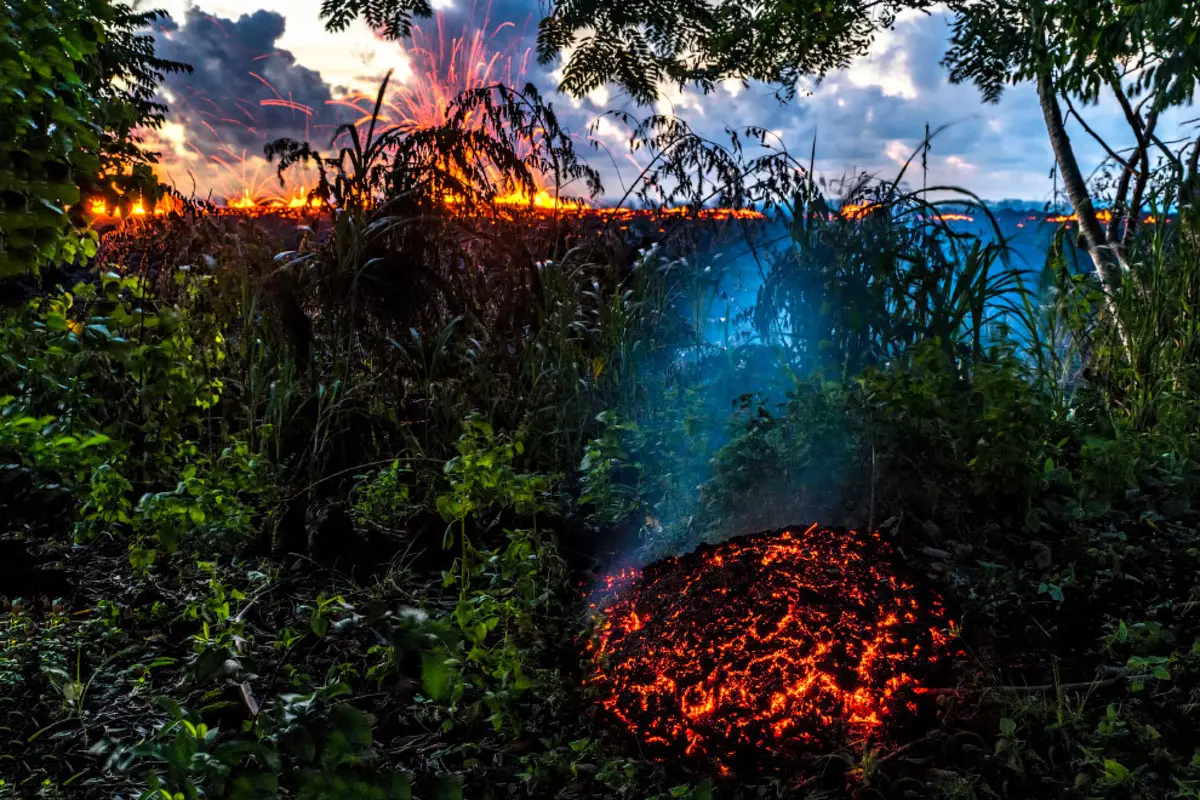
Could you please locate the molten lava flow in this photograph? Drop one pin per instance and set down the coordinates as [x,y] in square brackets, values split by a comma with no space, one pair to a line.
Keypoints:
[443,66]
[622,214]
[763,644]
[98,207]
[857,210]
[244,202]
[300,199]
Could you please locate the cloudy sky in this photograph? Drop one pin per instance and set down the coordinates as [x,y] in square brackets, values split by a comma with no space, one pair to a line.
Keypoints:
[255,57]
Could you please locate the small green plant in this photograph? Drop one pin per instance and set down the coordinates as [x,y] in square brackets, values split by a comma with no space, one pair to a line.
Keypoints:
[215,503]
[1009,745]
[322,610]
[482,477]
[217,646]
[311,745]
[604,458]
[383,498]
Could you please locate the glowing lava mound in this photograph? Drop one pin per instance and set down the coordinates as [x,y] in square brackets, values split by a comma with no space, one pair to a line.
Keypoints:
[764,646]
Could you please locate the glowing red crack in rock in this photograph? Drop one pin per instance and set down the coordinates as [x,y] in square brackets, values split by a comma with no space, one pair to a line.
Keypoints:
[763,644]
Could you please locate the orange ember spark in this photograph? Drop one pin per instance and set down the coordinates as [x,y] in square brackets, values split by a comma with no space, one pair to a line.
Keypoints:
[1103,216]
[444,66]
[764,644]
[856,210]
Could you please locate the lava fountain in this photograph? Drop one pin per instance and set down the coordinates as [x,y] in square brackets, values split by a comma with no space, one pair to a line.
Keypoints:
[445,66]
[763,646]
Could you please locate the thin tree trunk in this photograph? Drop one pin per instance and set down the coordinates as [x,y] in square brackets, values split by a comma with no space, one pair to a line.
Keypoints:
[1188,188]
[1139,189]
[1081,201]
[1142,129]
[1120,209]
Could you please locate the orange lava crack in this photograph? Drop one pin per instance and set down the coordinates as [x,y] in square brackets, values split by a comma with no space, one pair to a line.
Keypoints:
[764,644]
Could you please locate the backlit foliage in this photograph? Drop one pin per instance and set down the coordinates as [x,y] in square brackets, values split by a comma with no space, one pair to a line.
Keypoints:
[77,79]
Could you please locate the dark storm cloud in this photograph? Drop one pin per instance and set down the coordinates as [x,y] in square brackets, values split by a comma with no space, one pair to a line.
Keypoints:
[243,86]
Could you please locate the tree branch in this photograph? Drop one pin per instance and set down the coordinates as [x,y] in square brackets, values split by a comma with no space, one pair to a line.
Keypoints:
[1131,212]
[1077,190]
[1120,204]
[1135,204]
[1111,153]
[1116,675]
[1132,116]
[1193,163]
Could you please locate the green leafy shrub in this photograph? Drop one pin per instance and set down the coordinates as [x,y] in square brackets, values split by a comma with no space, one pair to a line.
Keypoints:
[965,449]
[383,498]
[305,745]
[483,476]
[602,485]
[784,468]
[78,78]
[217,501]
[113,394]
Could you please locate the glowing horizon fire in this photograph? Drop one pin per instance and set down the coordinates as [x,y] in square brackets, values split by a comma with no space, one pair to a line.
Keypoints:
[443,66]
[1103,216]
[98,207]
[299,201]
[856,211]
[763,645]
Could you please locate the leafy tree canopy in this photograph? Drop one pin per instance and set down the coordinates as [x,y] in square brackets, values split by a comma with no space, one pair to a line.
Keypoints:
[1086,45]
[78,79]
[640,43]
[393,17]
[1146,53]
